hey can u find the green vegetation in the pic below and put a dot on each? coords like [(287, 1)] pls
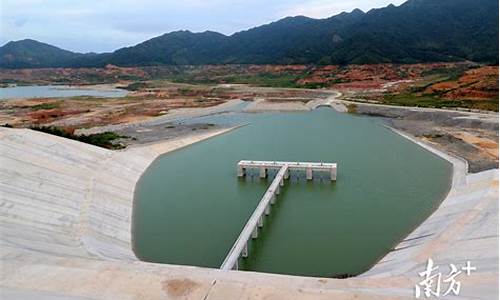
[(260, 79), (433, 135), (207, 126), (432, 101), (342, 276), (420, 96), (136, 86), (33, 54), (105, 139), (265, 79), (352, 108), (50, 105), (448, 74), (283, 80), (185, 91), (5, 83), (314, 85), (438, 75)]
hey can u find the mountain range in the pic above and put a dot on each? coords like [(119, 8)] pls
[(416, 31)]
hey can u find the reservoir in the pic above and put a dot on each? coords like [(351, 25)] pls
[(58, 91), (190, 206)]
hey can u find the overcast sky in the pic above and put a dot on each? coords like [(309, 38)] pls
[(106, 25)]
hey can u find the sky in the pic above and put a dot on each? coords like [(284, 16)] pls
[(106, 25)]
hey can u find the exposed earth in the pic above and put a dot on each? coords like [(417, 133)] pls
[(472, 136), (451, 105)]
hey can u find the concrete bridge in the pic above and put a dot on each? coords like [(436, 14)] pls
[(251, 229)]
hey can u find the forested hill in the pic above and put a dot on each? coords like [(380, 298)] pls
[(416, 31), (33, 54)]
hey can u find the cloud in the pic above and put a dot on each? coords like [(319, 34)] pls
[(105, 25), (328, 8)]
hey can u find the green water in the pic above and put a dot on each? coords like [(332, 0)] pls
[(190, 207)]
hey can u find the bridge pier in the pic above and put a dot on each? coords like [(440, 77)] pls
[(244, 253), (263, 172), (268, 210), (255, 233), (333, 174), (309, 173), (241, 171)]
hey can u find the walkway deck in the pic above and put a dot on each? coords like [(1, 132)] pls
[(309, 167)]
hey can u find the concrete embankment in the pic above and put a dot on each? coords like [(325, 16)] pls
[(290, 105), (463, 228), (262, 105), (68, 198), (65, 220)]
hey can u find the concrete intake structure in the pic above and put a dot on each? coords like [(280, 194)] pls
[(251, 229), (309, 167)]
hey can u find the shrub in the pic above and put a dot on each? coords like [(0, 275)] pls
[(104, 139)]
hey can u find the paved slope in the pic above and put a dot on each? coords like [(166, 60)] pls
[(65, 210)]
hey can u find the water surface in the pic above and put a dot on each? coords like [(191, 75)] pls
[(190, 207), (42, 91)]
